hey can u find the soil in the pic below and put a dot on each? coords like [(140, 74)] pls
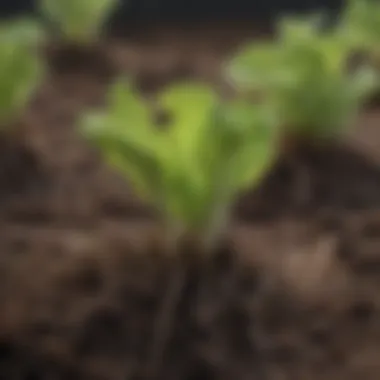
[(293, 295)]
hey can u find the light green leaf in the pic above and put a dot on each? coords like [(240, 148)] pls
[(305, 74), (299, 28), (22, 30), (365, 80), (190, 109), (248, 129), (361, 22), (126, 104), (20, 67), (260, 66), (134, 155), (78, 20)]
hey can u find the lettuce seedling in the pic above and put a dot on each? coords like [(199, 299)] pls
[(78, 21), (193, 165), (25, 31), (20, 67), (361, 21), (305, 74)]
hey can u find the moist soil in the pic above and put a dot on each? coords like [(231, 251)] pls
[(292, 294)]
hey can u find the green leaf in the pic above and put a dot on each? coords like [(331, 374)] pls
[(299, 28), (190, 108), (365, 80), (78, 20), (248, 129), (361, 22), (22, 30), (260, 66), (133, 148), (135, 157), (20, 67), (305, 75), (126, 104)]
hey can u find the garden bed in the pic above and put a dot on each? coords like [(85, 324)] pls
[(83, 278)]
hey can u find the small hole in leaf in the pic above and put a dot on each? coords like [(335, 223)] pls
[(162, 119)]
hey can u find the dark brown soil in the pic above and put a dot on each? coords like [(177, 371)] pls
[(83, 278), (75, 58)]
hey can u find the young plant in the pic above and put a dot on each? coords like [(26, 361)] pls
[(23, 30), (193, 166), (20, 67), (78, 21), (361, 21), (305, 74)]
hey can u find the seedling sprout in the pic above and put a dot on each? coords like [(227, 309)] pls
[(193, 167), (20, 67), (78, 21), (361, 21), (305, 74)]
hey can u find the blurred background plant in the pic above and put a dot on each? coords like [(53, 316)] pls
[(304, 72)]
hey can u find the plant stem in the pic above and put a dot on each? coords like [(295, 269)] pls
[(162, 327), (218, 224)]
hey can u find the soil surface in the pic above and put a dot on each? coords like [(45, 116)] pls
[(83, 280)]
